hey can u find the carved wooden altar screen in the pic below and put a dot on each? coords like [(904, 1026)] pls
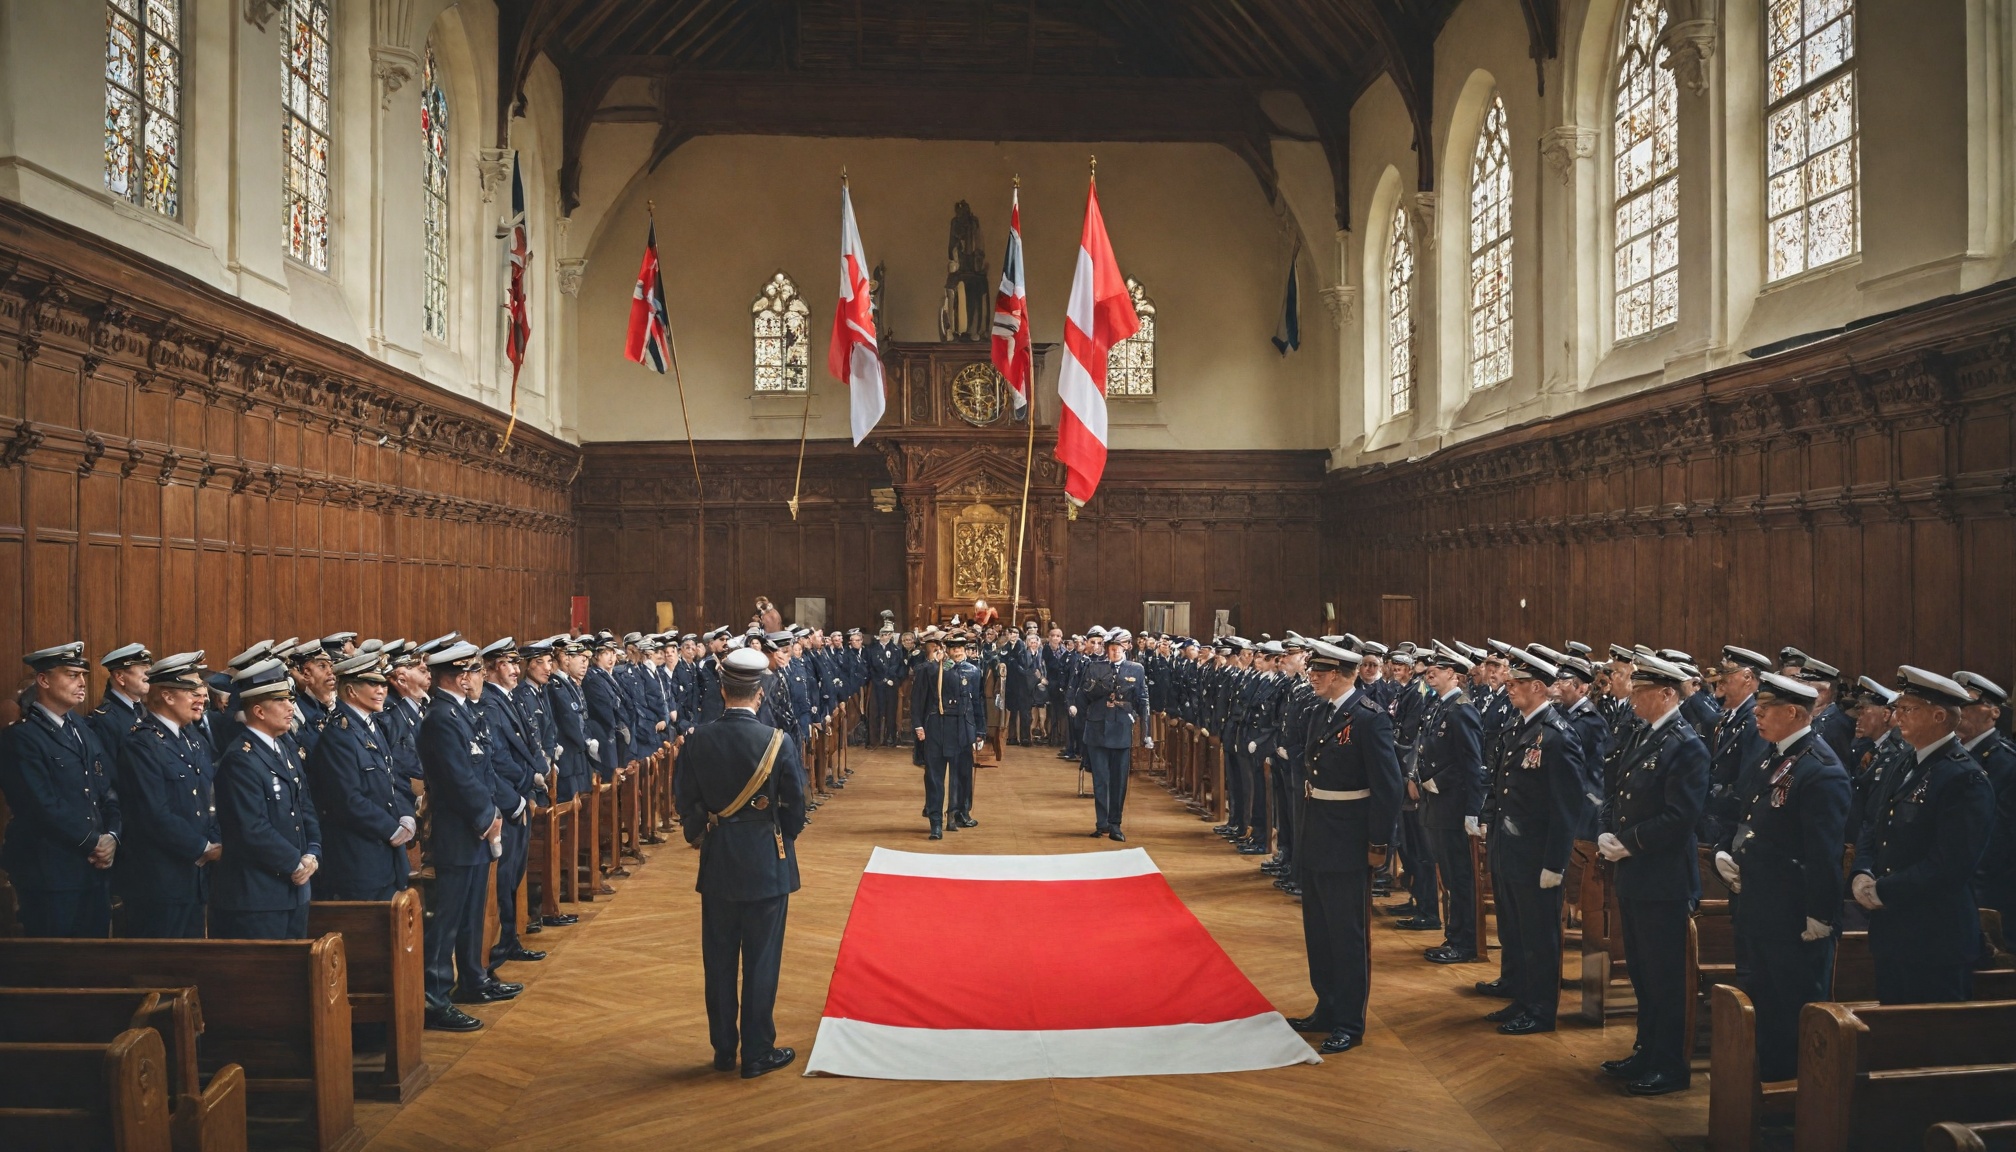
[(955, 453)]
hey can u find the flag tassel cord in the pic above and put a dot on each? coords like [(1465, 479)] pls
[(1022, 518), (693, 452)]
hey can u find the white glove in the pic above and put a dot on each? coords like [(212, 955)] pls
[(1725, 864), (1430, 786), (1281, 752), (1471, 826), (1611, 847), (1815, 930), (407, 823), (594, 749), (1252, 746), (1074, 709), (1205, 731), (401, 835), (1864, 888), (1148, 742), (539, 779), (1549, 879)]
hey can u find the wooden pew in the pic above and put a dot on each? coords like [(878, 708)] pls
[(1876, 1077), (200, 1119), (84, 1097), (1996, 1136), (1711, 960), (1485, 905), (280, 1008), (387, 983), (543, 856)]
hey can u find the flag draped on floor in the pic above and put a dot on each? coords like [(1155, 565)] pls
[(1012, 355), (852, 356), (649, 339), (1288, 333), (518, 331), (1099, 315)]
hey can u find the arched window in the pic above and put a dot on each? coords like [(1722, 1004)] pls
[(143, 103), (1400, 315), (1130, 365), (434, 197), (778, 323), (1491, 251), (1810, 132), (1646, 140), (304, 129)]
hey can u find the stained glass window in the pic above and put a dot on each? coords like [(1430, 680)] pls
[(1130, 365), (1491, 251), (304, 129), (434, 184), (143, 103), (779, 327), (1810, 135), (1646, 142), (1400, 316)]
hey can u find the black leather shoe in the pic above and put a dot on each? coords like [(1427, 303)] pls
[(966, 821), (451, 1019), (1117, 836), (1250, 849), (531, 929), (1496, 988), (1307, 1024), (560, 921), (1448, 955), (1525, 1026), (1417, 924), (1293, 889), (952, 825), (1501, 1015), (1631, 1067), (1098, 832), (1403, 910), (937, 833), (1657, 1084), (484, 995), (506, 987), (777, 1058), (1338, 1042), (524, 955), (724, 1062)]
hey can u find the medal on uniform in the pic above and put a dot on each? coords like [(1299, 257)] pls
[(1532, 758)]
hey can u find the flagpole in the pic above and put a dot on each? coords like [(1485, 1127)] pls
[(1028, 468), (805, 417), (699, 492)]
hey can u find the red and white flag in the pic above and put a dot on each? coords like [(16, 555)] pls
[(649, 340), (852, 356), (1100, 314), (1025, 967), (518, 318), (1012, 355)]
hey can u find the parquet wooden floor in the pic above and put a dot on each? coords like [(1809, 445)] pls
[(607, 1049)]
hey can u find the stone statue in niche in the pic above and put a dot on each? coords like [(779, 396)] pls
[(968, 313)]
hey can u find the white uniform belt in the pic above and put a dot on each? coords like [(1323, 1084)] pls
[(1331, 794)]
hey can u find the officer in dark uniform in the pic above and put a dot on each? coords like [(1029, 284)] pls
[(945, 702), (1981, 734), (1449, 769), (1737, 749), (466, 833), (1537, 803), (741, 801), (886, 667), (125, 699), (314, 688), (1830, 720), (570, 722), (167, 789), (63, 833), (1784, 865), (515, 768), (366, 821), (608, 715), (272, 838), (1345, 820), (1921, 842), (1878, 749), (1025, 689), (1112, 698)]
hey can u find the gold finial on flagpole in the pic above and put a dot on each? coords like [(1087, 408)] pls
[(1018, 181), (843, 176), (651, 208), (1093, 160)]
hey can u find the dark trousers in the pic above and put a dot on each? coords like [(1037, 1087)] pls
[(1283, 780), (1259, 791), (152, 919), (961, 800), (290, 924), (1335, 908), (454, 934), (1020, 723), (1535, 913), (1902, 980), (79, 914), (748, 933), (937, 765), (1235, 783), (1451, 849), (1785, 976), (1109, 767), (510, 874), (1425, 892), (1076, 745), (882, 729), (1057, 723), (1655, 952)]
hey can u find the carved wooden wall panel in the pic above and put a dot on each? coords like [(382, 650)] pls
[(180, 468), (1854, 497)]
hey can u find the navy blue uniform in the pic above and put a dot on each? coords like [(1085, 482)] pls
[(1536, 791), (112, 720), (945, 700), (166, 783), (354, 779), (569, 713), (459, 797), (58, 781), (748, 870), (1997, 880), (400, 724), (608, 721), (1449, 766), (267, 813), (1922, 840), (1661, 787), (1349, 755), (1111, 700), (1737, 752), (513, 764)]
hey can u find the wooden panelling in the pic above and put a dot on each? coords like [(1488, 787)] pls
[(1853, 497), (182, 469)]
